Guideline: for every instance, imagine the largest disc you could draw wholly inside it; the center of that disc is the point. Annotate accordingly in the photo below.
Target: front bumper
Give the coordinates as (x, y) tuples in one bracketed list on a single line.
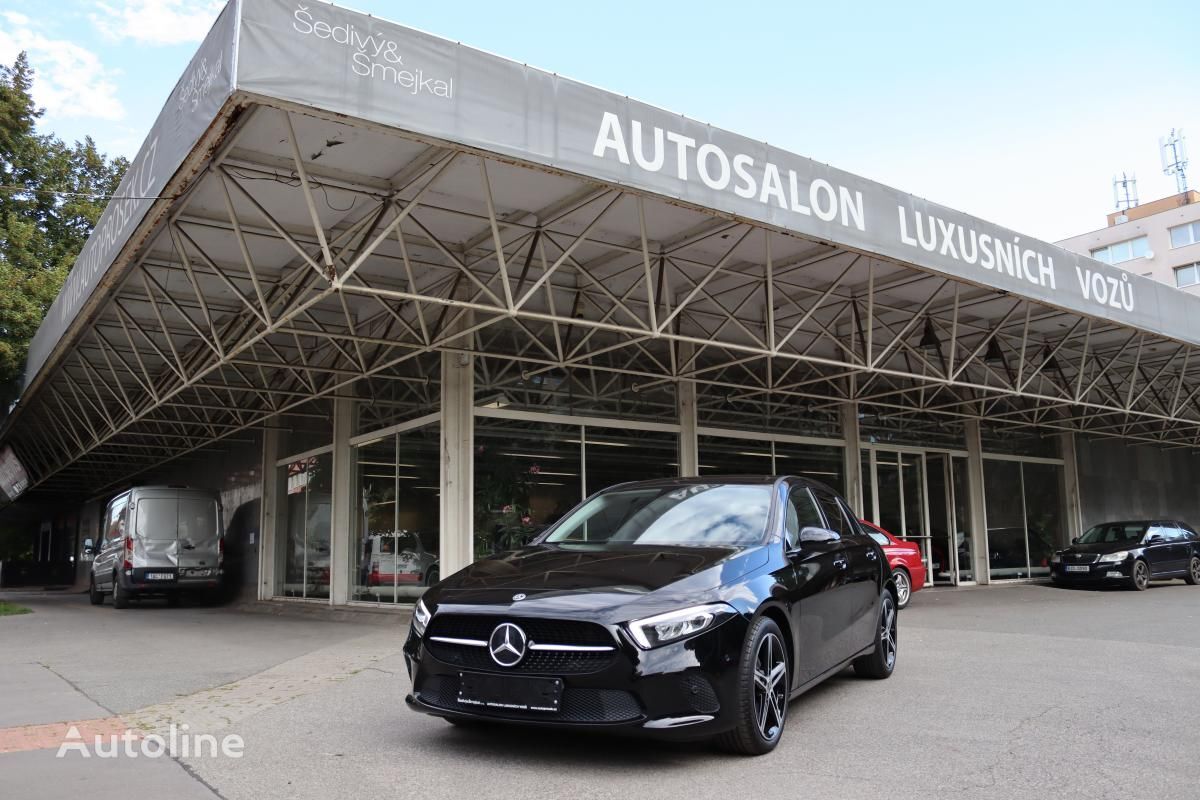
[(682, 690), (1098, 573)]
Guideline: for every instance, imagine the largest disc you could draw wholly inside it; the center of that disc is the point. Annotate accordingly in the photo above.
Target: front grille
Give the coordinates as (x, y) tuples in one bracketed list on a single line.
[(578, 704), (546, 631), (1080, 558), (542, 631)]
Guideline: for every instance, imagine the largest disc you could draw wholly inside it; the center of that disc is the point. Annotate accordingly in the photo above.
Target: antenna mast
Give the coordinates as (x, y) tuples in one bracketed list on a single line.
[(1125, 194), (1174, 158)]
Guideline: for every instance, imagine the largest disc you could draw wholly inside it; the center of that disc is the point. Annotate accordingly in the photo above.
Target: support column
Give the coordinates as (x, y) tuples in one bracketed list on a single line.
[(457, 482), (853, 458), (341, 546), (978, 512), (1072, 502), (689, 443), (269, 511)]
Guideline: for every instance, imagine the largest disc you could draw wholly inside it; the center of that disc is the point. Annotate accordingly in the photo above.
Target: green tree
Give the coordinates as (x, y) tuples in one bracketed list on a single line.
[(51, 195)]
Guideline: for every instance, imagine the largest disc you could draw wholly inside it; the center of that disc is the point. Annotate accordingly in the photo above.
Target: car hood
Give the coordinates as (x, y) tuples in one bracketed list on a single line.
[(594, 582), (1100, 548)]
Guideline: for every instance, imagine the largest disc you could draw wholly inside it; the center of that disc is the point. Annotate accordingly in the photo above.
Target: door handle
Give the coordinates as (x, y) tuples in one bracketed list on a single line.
[(871, 555), (840, 562)]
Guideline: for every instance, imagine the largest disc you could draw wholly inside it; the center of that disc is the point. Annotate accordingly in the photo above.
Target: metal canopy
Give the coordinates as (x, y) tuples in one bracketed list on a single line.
[(304, 254)]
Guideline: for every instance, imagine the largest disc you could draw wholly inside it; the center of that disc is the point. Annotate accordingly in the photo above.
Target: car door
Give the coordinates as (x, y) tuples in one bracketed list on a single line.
[(816, 584), (113, 540), (1179, 551), (1156, 546), (860, 568)]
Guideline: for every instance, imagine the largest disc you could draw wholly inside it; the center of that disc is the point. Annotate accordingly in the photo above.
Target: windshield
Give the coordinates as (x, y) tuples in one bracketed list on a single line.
[(699, 514), (1114, 532)]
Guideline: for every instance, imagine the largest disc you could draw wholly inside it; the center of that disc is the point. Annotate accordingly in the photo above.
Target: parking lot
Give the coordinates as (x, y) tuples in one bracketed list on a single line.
[(1004, 692)]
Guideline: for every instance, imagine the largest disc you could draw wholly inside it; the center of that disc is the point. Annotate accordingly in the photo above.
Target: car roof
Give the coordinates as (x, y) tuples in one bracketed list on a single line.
[(703, 480)]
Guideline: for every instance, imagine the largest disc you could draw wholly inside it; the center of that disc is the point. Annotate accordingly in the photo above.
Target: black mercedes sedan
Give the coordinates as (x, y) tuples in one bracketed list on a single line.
[(1132, 553), (688, 608)]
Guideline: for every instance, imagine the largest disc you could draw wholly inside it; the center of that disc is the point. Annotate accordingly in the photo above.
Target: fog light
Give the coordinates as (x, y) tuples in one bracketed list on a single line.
[(1112, 574)]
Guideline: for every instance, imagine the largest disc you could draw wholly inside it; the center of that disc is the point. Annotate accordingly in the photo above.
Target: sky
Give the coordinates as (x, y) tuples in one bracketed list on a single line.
[(1019, 112)]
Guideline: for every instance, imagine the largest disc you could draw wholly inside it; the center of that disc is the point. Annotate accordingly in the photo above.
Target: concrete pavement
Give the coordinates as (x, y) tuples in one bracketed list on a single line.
[(1004, 692)]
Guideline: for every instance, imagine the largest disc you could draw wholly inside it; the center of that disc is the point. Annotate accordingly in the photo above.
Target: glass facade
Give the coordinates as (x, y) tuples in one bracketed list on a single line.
[(397, 517), (530, 469), (721, 455), (1024, 517), (302, 551), (528, 474)]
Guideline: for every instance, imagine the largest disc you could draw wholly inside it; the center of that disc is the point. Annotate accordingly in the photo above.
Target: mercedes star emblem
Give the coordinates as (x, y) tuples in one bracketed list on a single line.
[(507, 644), (518, 597)]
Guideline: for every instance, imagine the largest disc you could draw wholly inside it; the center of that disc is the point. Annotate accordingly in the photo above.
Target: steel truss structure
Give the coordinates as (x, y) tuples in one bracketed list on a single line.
[(315, 257)]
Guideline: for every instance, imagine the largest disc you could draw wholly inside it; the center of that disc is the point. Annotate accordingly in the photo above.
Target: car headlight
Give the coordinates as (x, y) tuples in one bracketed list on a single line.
[(1056, 558), (420, 618), (674, 625), (1115, 558)]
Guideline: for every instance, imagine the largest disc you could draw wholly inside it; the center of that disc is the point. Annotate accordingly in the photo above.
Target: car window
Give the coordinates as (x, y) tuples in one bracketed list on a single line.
[(879, 538), (118, 513), (834, 516), (1159, 530), (1174, 534), (801, 513)]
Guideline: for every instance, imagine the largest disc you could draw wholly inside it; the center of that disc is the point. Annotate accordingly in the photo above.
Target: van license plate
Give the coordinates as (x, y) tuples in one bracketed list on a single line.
[(159, 576)]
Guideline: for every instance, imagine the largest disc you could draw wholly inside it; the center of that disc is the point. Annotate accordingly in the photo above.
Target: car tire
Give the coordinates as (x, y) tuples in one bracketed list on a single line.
[(95, 596), (762, 692), (880, 663), (432, 576), (120, 596), (903, 583), (1139, 579), (1193, 573)]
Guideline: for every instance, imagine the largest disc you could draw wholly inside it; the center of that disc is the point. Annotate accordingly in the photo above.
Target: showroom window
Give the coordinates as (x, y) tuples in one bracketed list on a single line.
[(512, 385), (1024, 516), (302, 552), (396, 520), (722, 455), (530, 471)]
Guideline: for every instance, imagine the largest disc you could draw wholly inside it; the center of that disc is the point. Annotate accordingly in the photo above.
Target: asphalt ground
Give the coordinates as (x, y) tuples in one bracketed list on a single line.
[(999, 692)]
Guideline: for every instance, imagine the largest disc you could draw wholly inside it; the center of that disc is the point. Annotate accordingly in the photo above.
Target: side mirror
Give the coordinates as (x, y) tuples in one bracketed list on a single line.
[(1154, 538), (89, 547), (1075, 540), (815, 535)]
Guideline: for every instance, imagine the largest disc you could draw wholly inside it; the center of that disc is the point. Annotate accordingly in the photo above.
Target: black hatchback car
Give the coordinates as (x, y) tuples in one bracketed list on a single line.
[(1132, 553), (686, 608)]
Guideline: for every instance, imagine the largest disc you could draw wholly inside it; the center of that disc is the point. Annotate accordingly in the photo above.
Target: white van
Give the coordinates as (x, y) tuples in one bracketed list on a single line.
[(157, 540)]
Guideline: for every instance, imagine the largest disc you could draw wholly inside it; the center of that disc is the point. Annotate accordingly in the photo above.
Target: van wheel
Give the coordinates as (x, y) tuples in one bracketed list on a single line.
[(120, 596), (95, 596)]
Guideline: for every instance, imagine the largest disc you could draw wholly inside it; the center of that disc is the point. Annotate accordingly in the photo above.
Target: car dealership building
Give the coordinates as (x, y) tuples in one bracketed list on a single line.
[(405, 302)]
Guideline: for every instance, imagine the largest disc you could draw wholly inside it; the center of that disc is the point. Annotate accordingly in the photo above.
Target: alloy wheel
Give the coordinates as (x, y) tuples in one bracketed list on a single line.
[(1196, 570), (903, 588), (770, 687), (887, 633), (1141, 574)]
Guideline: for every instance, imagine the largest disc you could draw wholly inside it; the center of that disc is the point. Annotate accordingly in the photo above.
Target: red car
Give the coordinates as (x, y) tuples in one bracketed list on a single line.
[(905, 557)]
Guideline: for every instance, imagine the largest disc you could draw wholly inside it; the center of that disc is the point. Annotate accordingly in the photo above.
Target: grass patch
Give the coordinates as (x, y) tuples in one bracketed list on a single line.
[(9, 609)]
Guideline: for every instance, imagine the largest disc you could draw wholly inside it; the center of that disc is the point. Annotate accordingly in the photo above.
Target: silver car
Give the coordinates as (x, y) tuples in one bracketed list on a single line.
[(157, 540)]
